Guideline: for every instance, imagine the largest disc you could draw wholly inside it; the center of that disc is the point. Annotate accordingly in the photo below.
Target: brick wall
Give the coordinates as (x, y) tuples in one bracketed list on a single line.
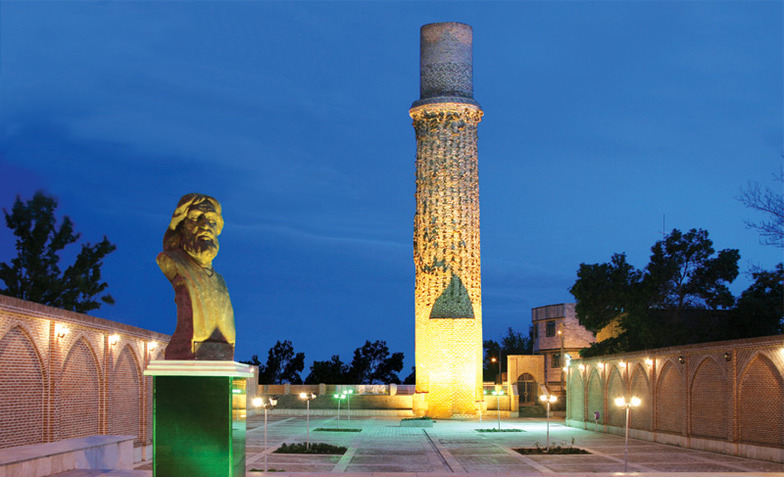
[(725, 396), (66, 374), (448, 294)]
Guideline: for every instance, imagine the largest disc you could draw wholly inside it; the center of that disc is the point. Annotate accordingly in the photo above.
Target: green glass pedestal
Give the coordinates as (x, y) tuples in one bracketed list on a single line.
[(199, 410)]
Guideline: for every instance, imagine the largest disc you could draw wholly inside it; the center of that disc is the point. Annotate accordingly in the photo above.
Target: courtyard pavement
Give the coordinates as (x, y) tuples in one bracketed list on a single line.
[(383, 448)]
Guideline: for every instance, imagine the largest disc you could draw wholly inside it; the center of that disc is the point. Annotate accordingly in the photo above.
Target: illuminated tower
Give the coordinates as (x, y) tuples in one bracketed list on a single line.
[(448, 296)]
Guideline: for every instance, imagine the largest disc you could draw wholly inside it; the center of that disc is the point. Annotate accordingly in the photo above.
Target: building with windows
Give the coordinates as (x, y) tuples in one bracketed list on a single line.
[(558, 336)]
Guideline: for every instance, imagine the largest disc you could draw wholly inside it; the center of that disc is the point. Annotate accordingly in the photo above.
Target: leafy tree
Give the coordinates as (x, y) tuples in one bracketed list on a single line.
[(283, 365), (681, 297), (411, 378), (770, 203), (372, 364), (514, 342), (605, 291), (492, 350), (35, 273), (333, 371), (760, 309), (253, 361), (682, 272)]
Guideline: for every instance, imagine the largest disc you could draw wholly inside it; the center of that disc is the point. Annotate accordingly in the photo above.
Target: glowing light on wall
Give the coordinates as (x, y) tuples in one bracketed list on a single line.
[(649, 362), (114, 339), (60, 330)]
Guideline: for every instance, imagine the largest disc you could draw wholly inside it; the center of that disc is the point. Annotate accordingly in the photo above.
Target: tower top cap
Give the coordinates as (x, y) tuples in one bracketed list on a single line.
[(446, 61)]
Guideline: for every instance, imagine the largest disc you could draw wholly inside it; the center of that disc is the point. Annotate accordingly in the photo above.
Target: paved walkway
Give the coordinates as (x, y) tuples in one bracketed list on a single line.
[(455, 447)]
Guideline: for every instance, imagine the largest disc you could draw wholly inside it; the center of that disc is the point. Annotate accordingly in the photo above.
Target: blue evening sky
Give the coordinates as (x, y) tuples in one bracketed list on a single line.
[(601, 119)]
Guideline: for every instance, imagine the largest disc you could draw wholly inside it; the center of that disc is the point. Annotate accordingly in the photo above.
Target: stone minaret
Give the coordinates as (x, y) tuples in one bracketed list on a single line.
[(448, 294)]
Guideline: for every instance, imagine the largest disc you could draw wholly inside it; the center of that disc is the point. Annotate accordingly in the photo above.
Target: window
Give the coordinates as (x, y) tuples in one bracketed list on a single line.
[(555, 362), (550, 331)]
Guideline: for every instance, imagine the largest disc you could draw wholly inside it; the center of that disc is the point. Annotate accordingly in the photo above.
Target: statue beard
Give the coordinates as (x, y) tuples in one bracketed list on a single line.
[(201, 248)]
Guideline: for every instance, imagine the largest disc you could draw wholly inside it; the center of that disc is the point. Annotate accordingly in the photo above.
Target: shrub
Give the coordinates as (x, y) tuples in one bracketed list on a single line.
[(314, 448)]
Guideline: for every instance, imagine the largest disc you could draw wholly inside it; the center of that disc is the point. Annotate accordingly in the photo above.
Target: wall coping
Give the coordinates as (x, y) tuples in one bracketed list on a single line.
[(12, 455), (45, 312), (198, 368), (776, 340)]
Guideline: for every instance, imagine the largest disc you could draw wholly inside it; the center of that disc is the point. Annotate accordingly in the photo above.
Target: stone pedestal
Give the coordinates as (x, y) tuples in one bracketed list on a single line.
[(199, 411)]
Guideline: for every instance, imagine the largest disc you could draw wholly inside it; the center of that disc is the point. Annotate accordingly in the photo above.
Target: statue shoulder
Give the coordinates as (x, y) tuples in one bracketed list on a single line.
[(167, 263)]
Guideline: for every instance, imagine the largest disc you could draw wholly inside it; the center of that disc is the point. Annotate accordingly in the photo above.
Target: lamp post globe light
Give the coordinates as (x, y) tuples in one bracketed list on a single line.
[(258, 402), (339, 397), (548, 398), (348, 393), (500, 377), (307, 397), (498, 394), (622, 402)]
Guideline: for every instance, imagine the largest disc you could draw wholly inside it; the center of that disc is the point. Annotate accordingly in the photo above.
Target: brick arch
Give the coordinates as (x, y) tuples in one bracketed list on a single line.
[(710, 400), (125, 395), (615, 387), (78, 392), (761, 402), (21, 389), (641, 417), (596, 395), (575, 396), (670, 399)]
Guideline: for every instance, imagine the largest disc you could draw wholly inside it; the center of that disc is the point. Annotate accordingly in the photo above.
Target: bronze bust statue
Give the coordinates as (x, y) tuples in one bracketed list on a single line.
[(205, 318)]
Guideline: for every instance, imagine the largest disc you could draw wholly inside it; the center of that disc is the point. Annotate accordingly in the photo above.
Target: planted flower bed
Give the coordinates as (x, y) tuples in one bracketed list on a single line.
[(416, 422), (314, 448)]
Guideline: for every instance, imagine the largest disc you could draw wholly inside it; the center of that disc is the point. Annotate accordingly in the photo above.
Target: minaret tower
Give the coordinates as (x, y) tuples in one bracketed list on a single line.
[(448, 295)]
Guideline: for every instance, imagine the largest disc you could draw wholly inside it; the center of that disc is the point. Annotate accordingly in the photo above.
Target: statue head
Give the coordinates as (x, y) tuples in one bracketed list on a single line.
[(194, 228)]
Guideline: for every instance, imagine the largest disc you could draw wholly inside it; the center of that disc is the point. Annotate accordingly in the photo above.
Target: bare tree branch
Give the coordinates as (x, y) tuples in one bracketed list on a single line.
[(769, 202)]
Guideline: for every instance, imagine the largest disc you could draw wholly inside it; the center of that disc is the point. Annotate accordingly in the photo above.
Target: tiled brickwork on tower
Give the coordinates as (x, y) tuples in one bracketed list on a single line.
[(448, 294), (66, 374), (725, 396)]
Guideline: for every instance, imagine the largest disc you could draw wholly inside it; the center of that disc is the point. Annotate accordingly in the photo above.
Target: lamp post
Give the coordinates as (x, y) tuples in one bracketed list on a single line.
[(259, 402), (563, 361), (622, 402), (498, 395), (548, 398), (339, 397), (500, 380), (348, 393), (307, 397)]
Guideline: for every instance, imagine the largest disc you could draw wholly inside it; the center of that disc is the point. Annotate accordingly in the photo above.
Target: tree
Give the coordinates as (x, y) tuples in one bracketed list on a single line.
[(682, 295), (605, 291), (770, 203), (760, 309), (333, 371), (411, 378), (682, 272), (372, 364), (492, 350), (514, 342), (35, 274), (283, 365), (253, 361)]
